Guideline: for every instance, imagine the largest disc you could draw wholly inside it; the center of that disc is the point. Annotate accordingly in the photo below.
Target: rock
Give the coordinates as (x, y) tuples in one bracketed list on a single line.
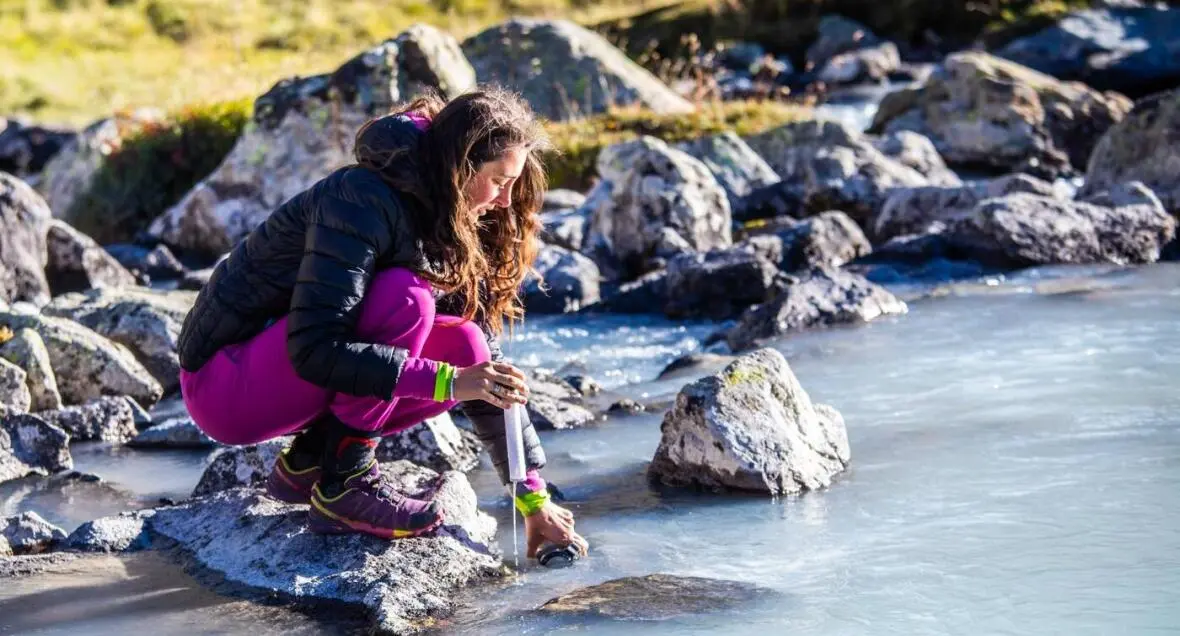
[(146, 321), (239, 466), (645, 295), (829, 166), (582, 73), (818, 298), (28, 533), (584, 384), (34, 563), (302, 130), (14, 390), (77, 263), (829, 239), (718, 284), (869, 64), (655, 597), (25, 218), (921, 210), (693, 363), (554, 404), (124, 532), (263, 548), (87, 364), (1131, 50), (27, 350), (178, 432), (5, 549), (570, 282), (782, 200), (1126, 225), (738, 169), (983, 111), (1143, 148), (565, 228), (435, 444), (195, 280), (29, 445), (158, 263), (25, 148), (667, 203), (837, 35), (109, 419), (917, 152), (562, 199), (751, 427), (626, 406)]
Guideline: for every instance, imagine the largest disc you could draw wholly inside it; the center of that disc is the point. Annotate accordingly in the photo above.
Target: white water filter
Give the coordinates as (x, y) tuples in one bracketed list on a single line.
[(515, 439)]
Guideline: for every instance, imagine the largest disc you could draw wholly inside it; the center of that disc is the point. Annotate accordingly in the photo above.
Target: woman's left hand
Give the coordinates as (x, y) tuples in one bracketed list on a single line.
[(554, 524)]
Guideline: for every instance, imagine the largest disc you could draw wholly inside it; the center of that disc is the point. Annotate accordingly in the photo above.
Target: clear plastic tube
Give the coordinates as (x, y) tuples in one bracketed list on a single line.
[(515, 440)]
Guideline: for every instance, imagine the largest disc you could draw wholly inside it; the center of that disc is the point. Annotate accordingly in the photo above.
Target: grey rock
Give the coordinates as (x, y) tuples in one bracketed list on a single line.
[(1143, 148), (146, 321), (564, 70), (867, 64), (124, 532), (917, 152), (718, 284), (239, 467), (77, 263), (158, 263), (738, 169), (693, 364), (30, 446), (28, 533), (645, 295), (554, 404), (27, 350), (930, 208), (562, 199), (25, 217), (570, 282), (836, 35), (565, 228), (107, 418), (25, 147), (87, 364), (584, 384), (829, 239), (195, 280), (819, 298), (436, 444), (656, 597), (178, 432), (5, 549), (27, 565), (751, 427), (14, 390)]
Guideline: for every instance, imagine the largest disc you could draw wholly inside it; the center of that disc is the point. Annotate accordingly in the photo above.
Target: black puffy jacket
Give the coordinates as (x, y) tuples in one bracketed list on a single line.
[(312, 260)]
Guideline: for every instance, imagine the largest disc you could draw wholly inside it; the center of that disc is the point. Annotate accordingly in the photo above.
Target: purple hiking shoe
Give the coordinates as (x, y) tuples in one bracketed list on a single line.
[(289, 485), (373, 507)]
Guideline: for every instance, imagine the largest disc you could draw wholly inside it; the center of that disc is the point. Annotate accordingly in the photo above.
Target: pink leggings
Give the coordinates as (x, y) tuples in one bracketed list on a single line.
[(249, 392)]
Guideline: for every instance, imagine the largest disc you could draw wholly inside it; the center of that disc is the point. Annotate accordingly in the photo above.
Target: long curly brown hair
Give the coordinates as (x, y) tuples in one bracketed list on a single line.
[(484, 261)]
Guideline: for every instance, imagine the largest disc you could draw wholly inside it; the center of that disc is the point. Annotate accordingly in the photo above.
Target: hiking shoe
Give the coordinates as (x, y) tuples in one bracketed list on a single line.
[(289, 485), (371, 506)]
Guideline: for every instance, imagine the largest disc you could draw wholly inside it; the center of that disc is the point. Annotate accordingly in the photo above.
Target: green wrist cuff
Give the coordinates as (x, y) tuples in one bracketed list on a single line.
[(442, 381), (530, 503)]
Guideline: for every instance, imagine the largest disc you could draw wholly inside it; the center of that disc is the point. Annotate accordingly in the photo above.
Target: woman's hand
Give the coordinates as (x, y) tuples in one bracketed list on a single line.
[(554, 524), (497, 383)]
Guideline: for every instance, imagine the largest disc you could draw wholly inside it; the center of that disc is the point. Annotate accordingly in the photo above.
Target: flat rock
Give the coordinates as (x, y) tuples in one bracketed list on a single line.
[(656, 597), (108, 418), (930, 208), (28, 533), (751, 427), (25, 217), (178, 432), (27, 565)]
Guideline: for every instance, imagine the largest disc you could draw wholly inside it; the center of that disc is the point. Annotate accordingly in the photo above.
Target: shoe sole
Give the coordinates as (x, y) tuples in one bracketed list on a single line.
[(322, 521)]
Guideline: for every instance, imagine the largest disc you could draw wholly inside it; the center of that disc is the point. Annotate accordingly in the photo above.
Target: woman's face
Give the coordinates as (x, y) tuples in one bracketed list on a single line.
[(491, 187)]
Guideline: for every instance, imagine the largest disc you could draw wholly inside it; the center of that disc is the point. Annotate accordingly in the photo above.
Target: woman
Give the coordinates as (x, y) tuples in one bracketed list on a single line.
[(323, 322)]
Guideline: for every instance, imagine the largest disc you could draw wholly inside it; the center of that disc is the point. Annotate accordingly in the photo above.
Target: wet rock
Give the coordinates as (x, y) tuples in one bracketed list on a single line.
[(869, 64), (927, 209), (30, 446), (818, 298), (399, 583), (584, 384), (655, 597), (751, 427), (14, 391), (667, 203), (1142, 148), (829, 239), (570, 282), (829, 166), (554, 404), (87, 364), (33, 563), (645, 295), (435, 443), (583, 74), (983, 111), (158, 263), (146, 321), (627, 406), (25, 217), (303, 129), (108, 419), (1126, 225), (718, 284), (565, 228), (27, 350), (239, 466), (28, 533), (562, 199), (918, 152), (1131, 50), (124, 532), (77, 263), (738, 169), (179, 432), (25, 148)]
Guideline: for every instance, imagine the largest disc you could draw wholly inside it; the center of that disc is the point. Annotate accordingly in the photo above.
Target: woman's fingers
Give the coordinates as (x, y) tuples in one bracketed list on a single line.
[(508, 369)]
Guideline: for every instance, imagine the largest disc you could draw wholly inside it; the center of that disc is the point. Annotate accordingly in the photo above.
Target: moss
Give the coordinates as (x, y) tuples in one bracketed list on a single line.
[(578, 143), (738, 375), (154, 167)]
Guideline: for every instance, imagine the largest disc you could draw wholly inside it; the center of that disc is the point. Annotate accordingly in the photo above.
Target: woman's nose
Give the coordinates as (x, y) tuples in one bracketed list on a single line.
[(504, 200)]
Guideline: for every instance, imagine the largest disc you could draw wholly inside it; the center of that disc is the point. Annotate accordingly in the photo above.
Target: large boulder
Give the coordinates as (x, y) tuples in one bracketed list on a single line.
[(921, 210), (302, 130), (29, 533), (30, 446), (566, 71), (739, 170), (146, 321), (77, 263), (829, 239), (27, 350), (87, 364), (14, 390), (435, 443), (25, 218), (570, 282), (25, 147), (817, 298), (829, 166), (718, 284), (666, 203), (1127, 49), (983, 111), (109, 419), (751, 427), (1142, 147)]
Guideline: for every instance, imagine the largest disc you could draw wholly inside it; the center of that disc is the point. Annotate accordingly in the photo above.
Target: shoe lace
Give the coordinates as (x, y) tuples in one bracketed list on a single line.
[(383, 489)]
